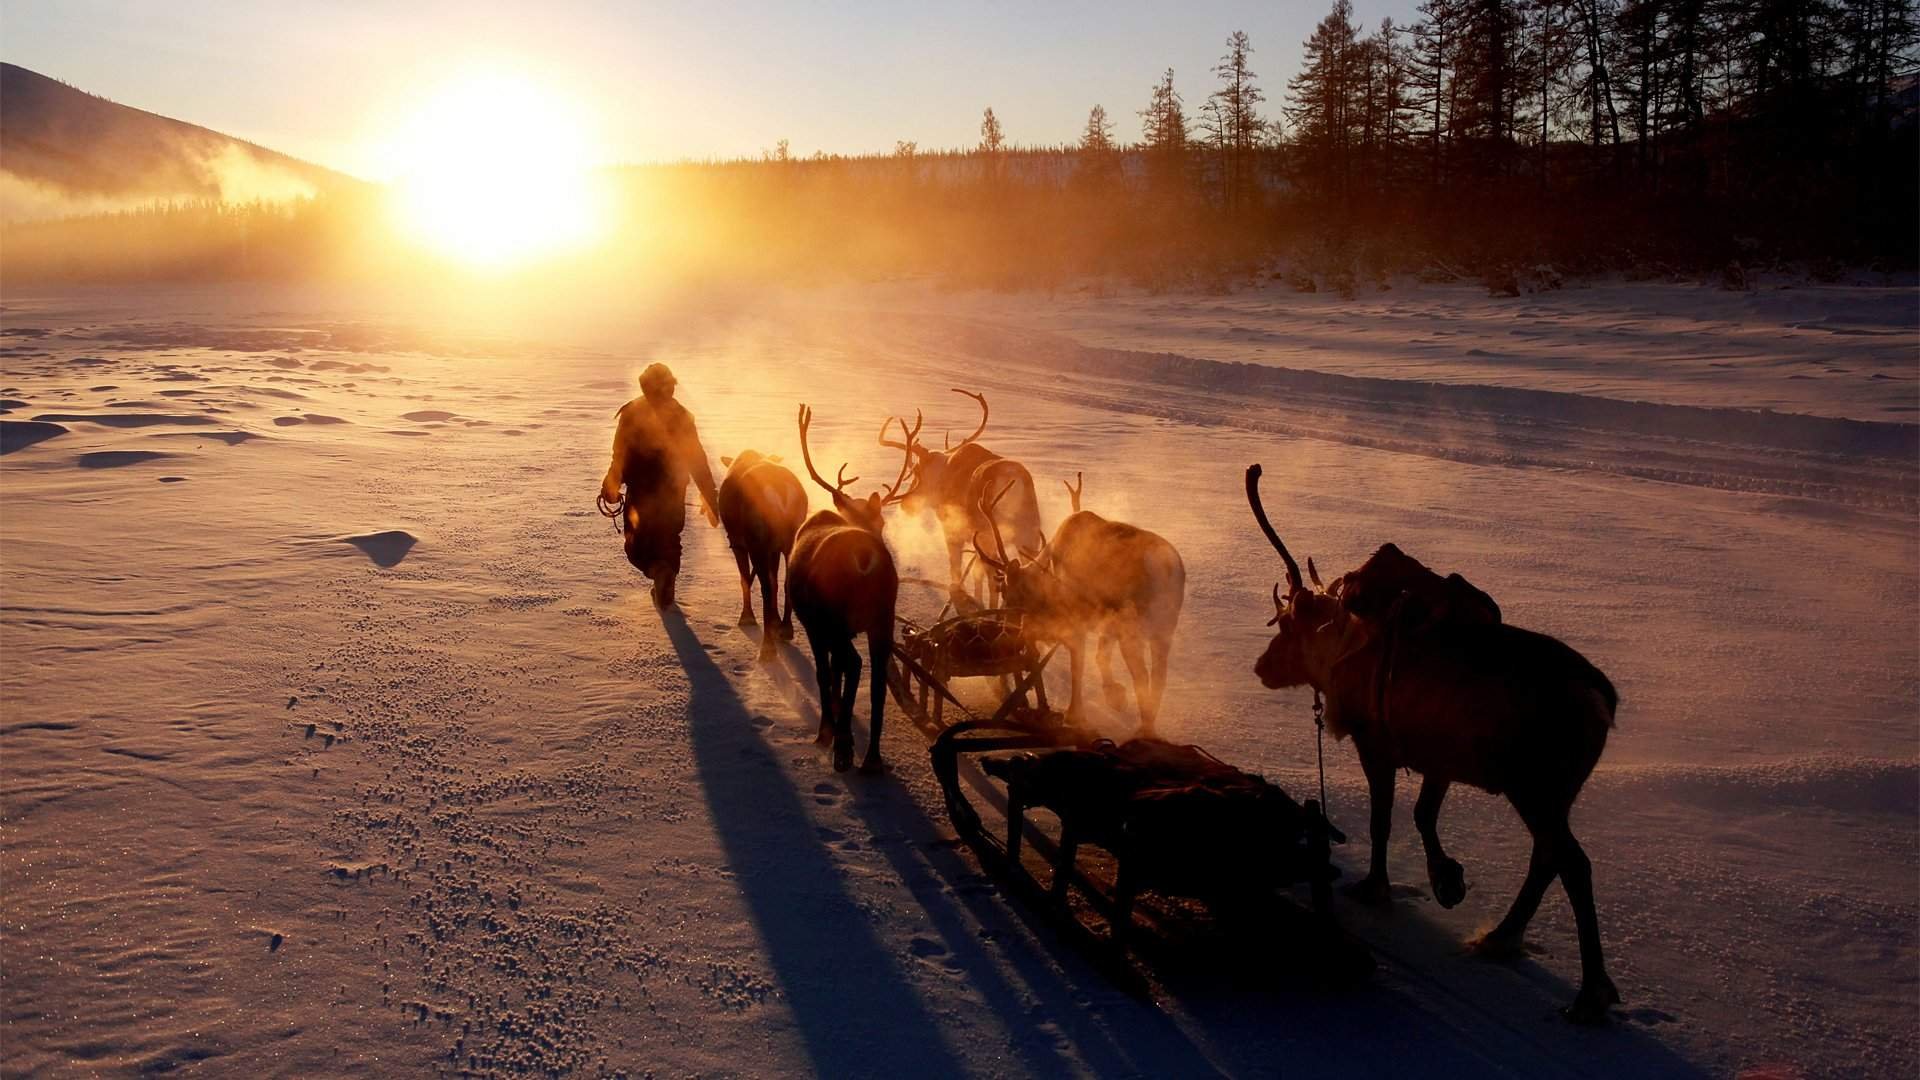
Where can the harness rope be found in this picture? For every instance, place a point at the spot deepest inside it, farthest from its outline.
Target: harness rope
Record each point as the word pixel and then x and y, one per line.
pixel 1319 748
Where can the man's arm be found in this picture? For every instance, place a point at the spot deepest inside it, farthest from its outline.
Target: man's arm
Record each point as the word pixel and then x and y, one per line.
pixel 610 487
pixel 702 474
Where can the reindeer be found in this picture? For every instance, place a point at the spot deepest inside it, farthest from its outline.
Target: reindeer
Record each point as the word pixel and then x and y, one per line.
pixel 953 483
pixel 1122 583
pixel 1463 699
pixel 841 582
pixel 762 505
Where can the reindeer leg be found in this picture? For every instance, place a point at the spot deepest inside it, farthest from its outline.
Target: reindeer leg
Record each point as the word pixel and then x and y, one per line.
pixel 849 694
pixel 1039 684
pixel 1116 694
pixel 768 569
pixel 879 655
pixel 823 671
pixel 1448 878
pixel 1076 664
pixel 1372 889
pixel 956 588
pixel 786 612
pixel 1505 940
pixel 745 562
pixel 1142 686
pixel 1159 649
pixel 1597 991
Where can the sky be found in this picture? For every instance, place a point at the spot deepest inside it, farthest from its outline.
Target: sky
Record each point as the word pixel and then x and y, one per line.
pixel 331 81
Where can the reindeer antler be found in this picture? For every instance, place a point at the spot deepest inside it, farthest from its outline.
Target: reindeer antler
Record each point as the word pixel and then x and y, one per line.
pixel 806 421
pixel 1260 515
pixel 1074 489
pixel 986 511
pixel 982 399
pixel 912 437
pixel 906 460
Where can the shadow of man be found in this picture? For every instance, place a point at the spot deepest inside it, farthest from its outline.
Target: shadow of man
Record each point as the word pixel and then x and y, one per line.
pixel 857 1013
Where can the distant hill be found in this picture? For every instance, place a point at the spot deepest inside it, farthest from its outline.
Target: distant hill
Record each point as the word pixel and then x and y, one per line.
pixel 63 150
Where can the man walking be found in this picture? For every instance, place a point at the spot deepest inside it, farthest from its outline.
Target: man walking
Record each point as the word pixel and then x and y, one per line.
pixel 656 450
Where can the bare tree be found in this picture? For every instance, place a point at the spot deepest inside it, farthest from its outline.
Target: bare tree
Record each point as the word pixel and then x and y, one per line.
pixel 1234 118
pixel 992 139
pixel 1098 136
pixel 1164 135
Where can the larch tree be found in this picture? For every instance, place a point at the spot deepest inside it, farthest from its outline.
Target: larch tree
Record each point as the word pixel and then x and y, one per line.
pixel 1164 135
pixel 1322 108
pixel 1234 119
pixel 992 139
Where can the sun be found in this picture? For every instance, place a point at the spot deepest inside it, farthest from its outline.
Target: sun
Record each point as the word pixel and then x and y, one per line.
pixel 494 169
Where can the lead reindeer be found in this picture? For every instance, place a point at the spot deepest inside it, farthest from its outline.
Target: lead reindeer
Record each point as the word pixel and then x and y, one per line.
pixel 1120 583
pixel 954 482
pixel 762 505
pixel 842 583
pixel 1457 698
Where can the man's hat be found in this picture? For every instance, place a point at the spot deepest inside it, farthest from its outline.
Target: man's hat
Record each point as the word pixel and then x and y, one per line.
pixel 657 381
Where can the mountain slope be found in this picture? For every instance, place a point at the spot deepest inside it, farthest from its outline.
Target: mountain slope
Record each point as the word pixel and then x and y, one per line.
pixel 63 149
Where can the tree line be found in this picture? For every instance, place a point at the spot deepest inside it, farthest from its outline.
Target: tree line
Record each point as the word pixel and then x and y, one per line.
pixel 1488 138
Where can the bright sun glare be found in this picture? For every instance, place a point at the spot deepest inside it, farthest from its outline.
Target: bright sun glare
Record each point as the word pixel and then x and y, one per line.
pixel 495 169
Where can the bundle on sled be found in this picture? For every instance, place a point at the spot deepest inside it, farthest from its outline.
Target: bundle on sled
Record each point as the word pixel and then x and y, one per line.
pixel 990 642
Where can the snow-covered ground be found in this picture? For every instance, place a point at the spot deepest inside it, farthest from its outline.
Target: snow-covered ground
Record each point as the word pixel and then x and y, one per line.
pixel 337 736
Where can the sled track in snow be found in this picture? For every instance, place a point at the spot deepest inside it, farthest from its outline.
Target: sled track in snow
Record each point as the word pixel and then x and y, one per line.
pixel 1863 465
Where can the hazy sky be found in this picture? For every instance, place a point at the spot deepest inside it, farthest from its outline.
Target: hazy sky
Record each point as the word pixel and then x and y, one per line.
pixel 662 81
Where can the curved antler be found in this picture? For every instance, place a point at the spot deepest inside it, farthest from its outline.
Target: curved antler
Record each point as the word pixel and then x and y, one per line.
pixel 806 421
pixel 986 511
pixel 982 399
pixel 1260 515
pixel 893 494
pixel 912 437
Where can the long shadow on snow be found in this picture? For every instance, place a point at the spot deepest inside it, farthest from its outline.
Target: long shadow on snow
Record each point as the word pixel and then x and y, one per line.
pixel 936 875
pixel 856 1012
pixel 1246 1023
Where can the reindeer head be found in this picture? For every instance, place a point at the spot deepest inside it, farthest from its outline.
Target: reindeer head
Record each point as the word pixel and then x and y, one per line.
pixel 1027 584
pixel 865 513
pixel 745 460
pixel 1311 629
pixel 928 468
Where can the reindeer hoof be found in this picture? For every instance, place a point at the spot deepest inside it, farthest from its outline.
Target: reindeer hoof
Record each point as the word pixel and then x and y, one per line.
pixel 786 631
pixel 842 755
pixel 1449 881
pixel 747 619
pixel 767 651
pixel 1494 945
pixel 825 737
pixel 1371 890
pixel 873 766
pixel 1591 1004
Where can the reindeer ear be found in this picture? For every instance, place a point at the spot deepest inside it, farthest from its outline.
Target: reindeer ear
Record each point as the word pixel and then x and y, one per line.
pixel 726 462
pixel 775 458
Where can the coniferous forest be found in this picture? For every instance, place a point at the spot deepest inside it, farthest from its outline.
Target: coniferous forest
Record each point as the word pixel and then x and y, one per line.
pixel 1508 141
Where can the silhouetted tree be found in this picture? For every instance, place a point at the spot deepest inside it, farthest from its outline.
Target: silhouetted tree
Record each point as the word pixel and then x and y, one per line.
pixel 1097 138
pixel 1323 107
pixel 1164 136
pixel 992 140
pixel 1234 120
